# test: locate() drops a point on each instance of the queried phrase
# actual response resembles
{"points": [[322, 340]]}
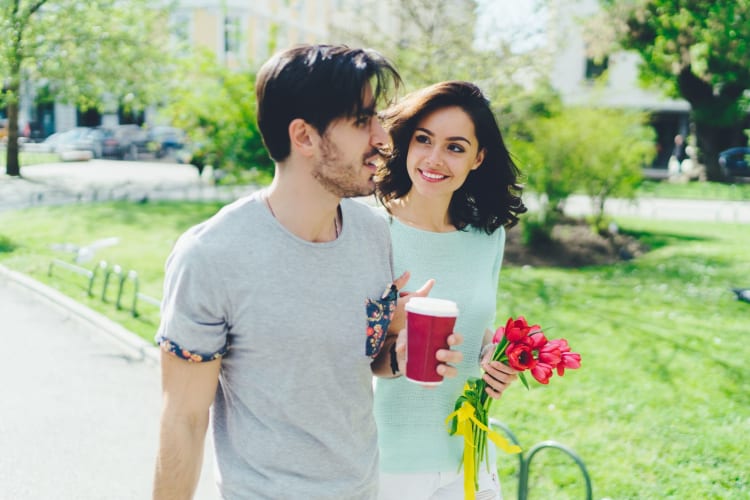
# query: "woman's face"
{"points": [[442, 151]]}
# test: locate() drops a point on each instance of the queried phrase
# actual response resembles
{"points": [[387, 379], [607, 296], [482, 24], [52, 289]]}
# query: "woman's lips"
{"points": [[432, 176]]}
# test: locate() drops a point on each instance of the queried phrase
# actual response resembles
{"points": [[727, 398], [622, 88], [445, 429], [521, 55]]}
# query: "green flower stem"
{"points": [[481, 451], [497, 355]]}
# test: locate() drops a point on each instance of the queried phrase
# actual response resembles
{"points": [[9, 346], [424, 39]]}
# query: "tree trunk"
{"points": [[712, 140], [718, 116], [12, 166]]}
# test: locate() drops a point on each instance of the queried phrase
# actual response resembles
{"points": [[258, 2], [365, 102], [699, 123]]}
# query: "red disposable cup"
{"points": [[429, 322]]}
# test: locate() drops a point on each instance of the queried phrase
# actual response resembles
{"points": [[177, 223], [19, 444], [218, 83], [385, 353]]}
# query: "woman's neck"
{"points": [[429, 214]]}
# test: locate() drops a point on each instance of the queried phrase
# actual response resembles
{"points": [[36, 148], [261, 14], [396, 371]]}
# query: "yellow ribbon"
{"points": [[466, 416]]}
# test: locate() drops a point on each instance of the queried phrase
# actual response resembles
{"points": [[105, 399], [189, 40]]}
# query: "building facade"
{"points": [[242, 34], [609, 80]]}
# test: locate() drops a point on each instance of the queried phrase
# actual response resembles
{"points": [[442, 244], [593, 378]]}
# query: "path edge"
{"points": [[118, 333]]}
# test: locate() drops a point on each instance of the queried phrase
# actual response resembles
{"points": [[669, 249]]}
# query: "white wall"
{"points": [[65, 117], [621, 87]]}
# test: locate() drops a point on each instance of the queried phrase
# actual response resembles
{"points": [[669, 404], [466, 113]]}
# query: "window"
{"points": [[180, 22], [232, 33], [595, 67]]}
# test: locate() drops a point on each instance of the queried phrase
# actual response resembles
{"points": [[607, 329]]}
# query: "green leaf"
{"points": [[522, 376]]}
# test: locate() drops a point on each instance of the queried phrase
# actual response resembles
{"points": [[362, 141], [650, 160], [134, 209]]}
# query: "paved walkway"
{"points": [[79, 402], [102, 180], [667, 209]]}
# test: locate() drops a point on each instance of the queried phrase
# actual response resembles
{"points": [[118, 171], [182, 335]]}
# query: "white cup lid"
{"points": [[432, 307]]}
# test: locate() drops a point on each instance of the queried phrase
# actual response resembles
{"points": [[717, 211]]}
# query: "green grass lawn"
{"points": [[146, 233], [29, 158], [659, 409]]}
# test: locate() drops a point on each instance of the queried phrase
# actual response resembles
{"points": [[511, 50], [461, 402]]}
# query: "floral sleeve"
{"points": [[194, 357], [379, 315]]}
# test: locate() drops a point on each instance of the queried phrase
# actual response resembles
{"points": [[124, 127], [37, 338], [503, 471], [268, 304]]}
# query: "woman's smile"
{"points": [[430, 176]]}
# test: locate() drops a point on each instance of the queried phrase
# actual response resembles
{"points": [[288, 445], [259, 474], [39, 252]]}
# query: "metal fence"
{"points": [[110, 276], [524, 460]]}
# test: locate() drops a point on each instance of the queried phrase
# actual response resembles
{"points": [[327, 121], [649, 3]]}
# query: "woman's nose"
{"points": [[435, 157]]}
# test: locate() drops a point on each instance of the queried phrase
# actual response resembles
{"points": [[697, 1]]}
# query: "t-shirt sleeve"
{"points": [[193, 311]]}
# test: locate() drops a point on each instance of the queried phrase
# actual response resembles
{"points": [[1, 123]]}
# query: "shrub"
{"points": [[597, 151], [6, 245], [216, 107]]}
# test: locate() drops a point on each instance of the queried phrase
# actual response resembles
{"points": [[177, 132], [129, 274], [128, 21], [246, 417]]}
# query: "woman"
{"points": [[449, 189]]}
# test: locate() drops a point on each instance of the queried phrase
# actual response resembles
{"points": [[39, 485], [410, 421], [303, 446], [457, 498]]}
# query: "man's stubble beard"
{"points": [[338, 178]]}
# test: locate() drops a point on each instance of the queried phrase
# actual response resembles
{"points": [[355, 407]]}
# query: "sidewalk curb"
{"points": [[119, 334]]}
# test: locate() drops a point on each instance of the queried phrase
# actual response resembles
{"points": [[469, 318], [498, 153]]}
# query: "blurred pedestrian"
{"points": [[679, 154]]}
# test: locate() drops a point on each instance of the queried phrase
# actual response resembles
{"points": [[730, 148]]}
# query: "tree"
{"points": [[84, 52], [595, 150], [698, 50], [435, 40], [616, 146], [216, 106]]}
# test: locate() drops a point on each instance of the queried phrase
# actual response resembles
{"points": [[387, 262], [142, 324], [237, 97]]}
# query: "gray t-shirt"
{"points": [[293, 413]]}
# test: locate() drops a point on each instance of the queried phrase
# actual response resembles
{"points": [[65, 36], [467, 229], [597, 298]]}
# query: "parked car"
{"points": [[735, 162], [97, 136], [164, 140], [125, 142], [80, 143]]}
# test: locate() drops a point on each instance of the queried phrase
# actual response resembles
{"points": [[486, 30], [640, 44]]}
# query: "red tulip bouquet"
{"points": [[525, 348]]}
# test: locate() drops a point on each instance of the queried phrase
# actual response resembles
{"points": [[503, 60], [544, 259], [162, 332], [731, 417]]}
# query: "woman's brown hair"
{"points": [[490, 196]]}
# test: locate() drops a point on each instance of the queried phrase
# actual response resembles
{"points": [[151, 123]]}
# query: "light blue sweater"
{"points": [[412, 433]]}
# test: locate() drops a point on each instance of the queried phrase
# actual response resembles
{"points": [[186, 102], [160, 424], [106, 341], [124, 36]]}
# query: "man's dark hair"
{"points": [[319, 84], [490, 195]]}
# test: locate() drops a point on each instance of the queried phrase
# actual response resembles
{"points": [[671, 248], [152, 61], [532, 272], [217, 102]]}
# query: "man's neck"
{"points": [[304, 208]]}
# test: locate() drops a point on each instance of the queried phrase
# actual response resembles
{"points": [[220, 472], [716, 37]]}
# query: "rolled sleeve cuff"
{"points": [[170, 347]]}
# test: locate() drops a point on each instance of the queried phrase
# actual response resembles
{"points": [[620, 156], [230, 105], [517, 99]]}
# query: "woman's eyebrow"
{"points": [[454, 138]]}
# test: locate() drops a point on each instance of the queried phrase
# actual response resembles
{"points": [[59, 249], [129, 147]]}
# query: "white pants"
{"points": [[436, 486]]}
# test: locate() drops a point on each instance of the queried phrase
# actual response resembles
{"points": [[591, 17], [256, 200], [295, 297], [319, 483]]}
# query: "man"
{"points": [[264, 313], [679, 154]]}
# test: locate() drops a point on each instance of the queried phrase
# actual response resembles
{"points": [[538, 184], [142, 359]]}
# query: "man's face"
{"points": [[349, 152]]}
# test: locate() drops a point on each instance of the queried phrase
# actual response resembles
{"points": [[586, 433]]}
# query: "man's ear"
{"points": [[302, 137]]}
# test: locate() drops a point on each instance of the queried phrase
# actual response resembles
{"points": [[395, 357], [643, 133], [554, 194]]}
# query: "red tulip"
{"points": [[499, 334], [542, 372], [520, 356], [514, 330], [568, 359], [549, 353], [537, 340]]}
